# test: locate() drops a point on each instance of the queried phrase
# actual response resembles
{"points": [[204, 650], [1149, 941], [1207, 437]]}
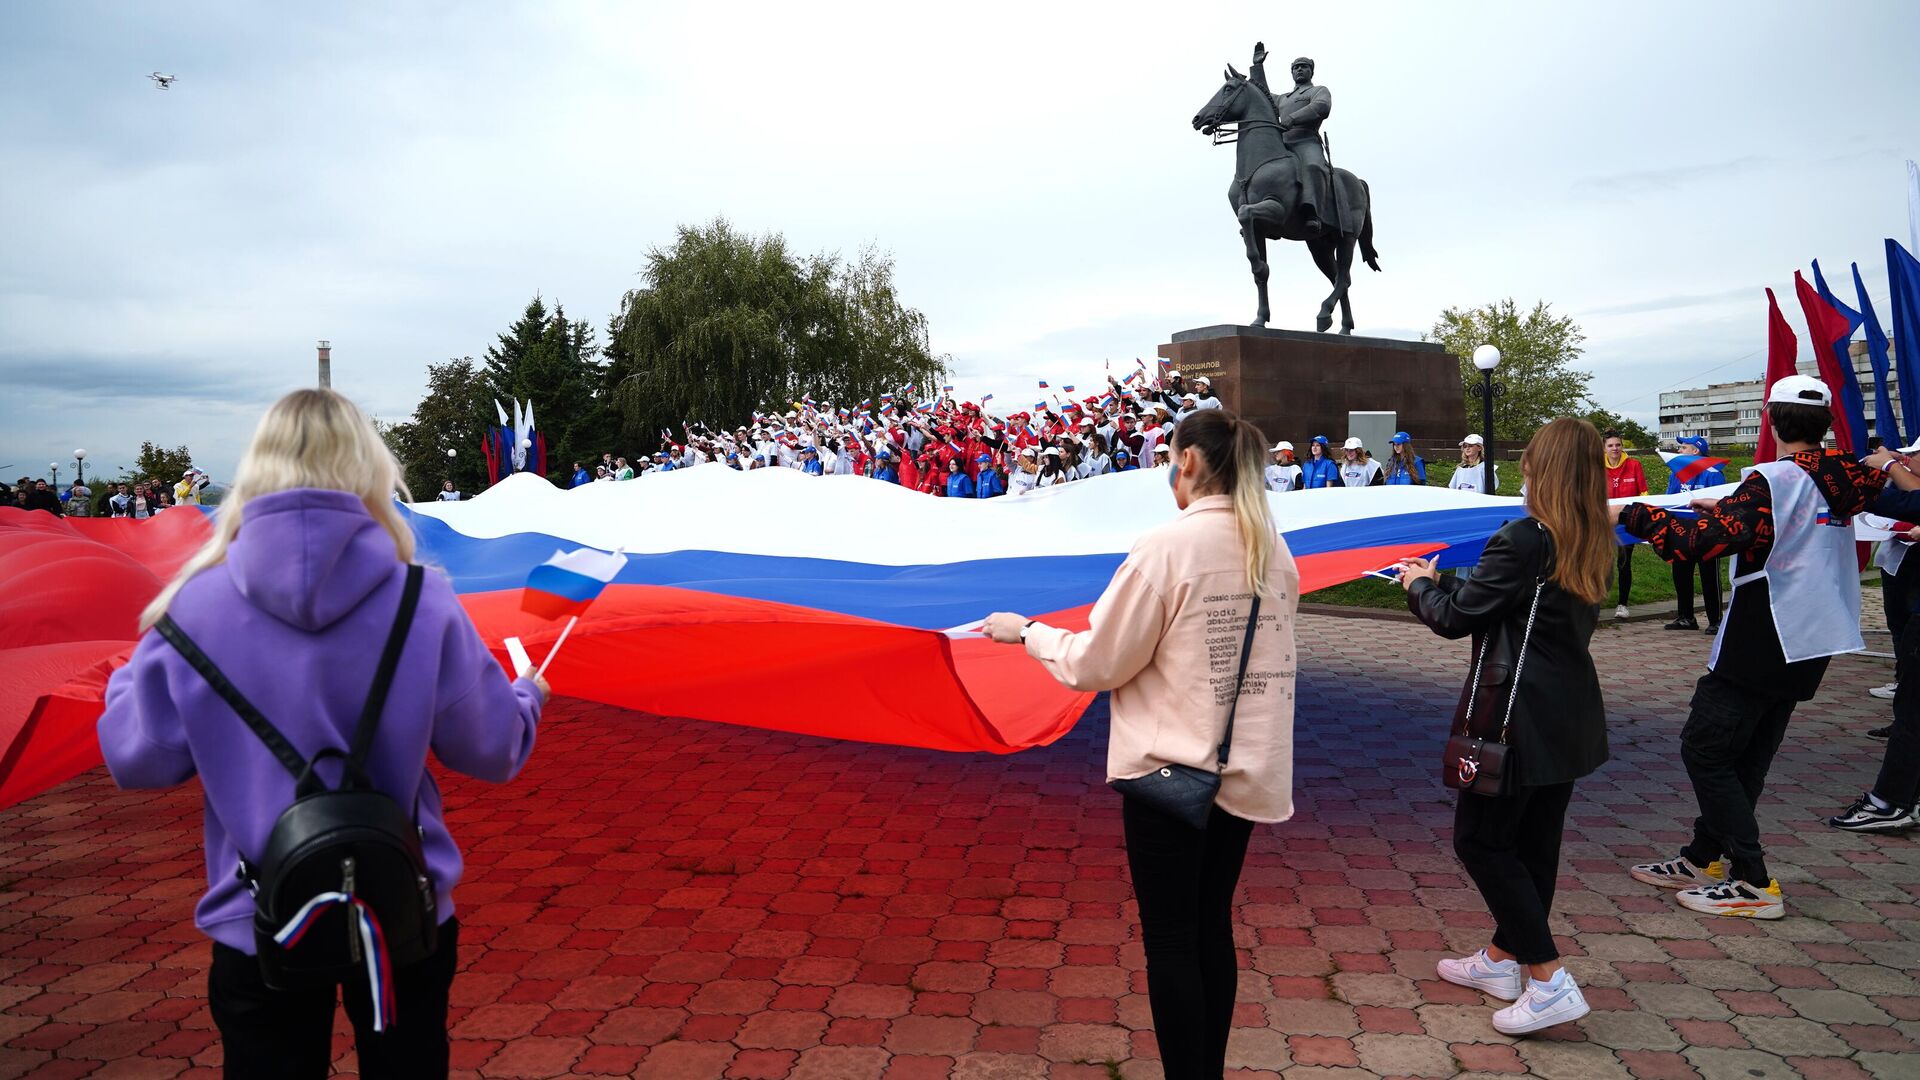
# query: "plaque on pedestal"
{"points": [[1294, 385]]}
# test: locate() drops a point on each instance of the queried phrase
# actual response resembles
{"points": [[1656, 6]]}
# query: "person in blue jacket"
{"points": [[1123, 461], [959, 484], [1709, 568], [581, 477], [1403, 465], [810, 462], [990, 483], [883, 467], [1319, 470]]}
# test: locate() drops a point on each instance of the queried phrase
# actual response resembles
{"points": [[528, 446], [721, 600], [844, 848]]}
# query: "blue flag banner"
{"points": [[1885, 423], [1850, 397], [1903, 281]]}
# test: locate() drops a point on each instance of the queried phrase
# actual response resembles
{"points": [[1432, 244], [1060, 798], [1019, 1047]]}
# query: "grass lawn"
{"points": [[1652, 577]]}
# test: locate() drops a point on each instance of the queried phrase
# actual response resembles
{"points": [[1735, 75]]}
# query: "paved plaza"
{"points": [[666, 898]]}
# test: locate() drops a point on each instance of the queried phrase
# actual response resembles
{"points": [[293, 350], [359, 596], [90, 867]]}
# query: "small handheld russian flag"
{"points": [[1687, 467], [886, 399], [566, 584], [1067, 389], [947, 388], [1043, 384], [984, 398]]}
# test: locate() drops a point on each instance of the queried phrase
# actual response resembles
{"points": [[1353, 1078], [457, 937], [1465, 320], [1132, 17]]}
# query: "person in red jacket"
{"points": [[909, 471], [1625, 480]]}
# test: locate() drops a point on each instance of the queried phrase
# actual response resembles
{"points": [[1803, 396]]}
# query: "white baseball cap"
{"points": [[1204, 379], [1279, 446], [1800, 390], [1473, 440], [1353, 443], [1026, 451]]}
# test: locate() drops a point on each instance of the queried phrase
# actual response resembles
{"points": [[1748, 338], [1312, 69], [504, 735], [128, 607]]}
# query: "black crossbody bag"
{"points": [[1183, 792], [1472, 763]]}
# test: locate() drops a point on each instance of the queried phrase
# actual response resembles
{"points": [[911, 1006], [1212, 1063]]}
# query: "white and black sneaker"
{"points": [[1543, 1005], [1885, 693], [1504, 979], [1680, 873], [1621, 613], [1737, 899], [1869, 815]]}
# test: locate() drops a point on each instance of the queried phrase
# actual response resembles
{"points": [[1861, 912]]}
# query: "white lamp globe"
{"points": [[1486, 357], [450, 452], [80, 455]]}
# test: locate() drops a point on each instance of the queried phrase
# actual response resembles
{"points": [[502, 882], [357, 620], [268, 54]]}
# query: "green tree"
{"points": [[1537, 379], [1636, 436], [453, 415], [155, 463], [727, 324], [552, 362]]}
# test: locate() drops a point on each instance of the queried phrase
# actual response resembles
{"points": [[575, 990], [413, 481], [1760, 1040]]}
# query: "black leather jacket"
{"points": [[1559, 727]]}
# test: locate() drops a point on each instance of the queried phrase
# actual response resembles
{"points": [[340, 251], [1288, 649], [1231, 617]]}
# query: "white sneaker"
{"points": [[1504, 979], [1680, 873], [1543, 1005], [1737, 899], [1620, 612], [1885, 693]]}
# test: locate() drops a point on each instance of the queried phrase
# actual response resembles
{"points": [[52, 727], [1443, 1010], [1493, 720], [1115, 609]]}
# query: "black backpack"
{"points": [[342, 886]]}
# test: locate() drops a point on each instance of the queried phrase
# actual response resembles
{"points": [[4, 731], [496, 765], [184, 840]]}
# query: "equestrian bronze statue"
{"points": [[1284, 186]]}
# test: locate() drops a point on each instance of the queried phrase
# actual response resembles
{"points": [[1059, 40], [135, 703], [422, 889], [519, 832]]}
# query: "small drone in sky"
{"points": [[162, 81]]}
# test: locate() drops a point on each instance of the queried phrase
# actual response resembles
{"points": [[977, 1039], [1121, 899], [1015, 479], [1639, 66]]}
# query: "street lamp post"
{"points": [[54, 468], [80, 466], [1486, 358]]}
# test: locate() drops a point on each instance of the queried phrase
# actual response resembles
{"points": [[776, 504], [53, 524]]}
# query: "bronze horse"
{"points": [[1266, 198]]}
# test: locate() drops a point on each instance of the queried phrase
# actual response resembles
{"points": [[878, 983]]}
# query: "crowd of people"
{"points": [[959, 449], [123, 499]]}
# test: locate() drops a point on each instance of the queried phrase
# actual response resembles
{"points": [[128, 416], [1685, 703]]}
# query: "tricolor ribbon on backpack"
{"points": [[373, 946]]}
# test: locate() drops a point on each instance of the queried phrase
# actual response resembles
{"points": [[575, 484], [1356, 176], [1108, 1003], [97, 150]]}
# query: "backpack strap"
{"points": [[389, 663], [217, 679]]}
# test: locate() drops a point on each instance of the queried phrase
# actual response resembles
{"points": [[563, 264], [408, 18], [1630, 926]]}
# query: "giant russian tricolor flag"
{"points": [[816, 605]]}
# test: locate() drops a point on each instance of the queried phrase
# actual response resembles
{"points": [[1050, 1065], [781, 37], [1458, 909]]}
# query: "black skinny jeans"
{"points": [[1184, 880], [1899, 781], [288, 1034], [1709, 587], [1623, 570], [1510, 846], [1728, 745]]}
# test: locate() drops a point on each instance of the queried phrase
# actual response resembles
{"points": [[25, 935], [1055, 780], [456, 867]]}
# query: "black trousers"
{"points": [[1728, 743], [1899, 781], [1623, 570], [1185, 879], [1709, 587], [1510, 846], [1894, 597], [288, 1034]]}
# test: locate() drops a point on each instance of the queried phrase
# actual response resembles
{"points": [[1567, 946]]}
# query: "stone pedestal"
{"points": [[1294, 385]]}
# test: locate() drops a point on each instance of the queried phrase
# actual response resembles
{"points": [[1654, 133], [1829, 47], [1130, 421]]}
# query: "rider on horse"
{"points": [[1300, 112]]}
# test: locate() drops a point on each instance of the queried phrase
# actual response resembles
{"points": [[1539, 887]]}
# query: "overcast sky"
{"points": [[402, 183]]}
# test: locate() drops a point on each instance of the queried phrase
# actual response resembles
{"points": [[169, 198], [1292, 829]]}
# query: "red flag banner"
{"points": [[1783, 352], [1824, 327]]}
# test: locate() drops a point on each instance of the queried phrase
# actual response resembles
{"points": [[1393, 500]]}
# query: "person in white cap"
{"points": [[1025, 474], [1468, 475], [1357, 467], [1283, 474], [1795, 604], [1204, 397], [192, 483]]}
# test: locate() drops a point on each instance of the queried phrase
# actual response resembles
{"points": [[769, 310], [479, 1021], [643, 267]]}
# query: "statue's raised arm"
{"points": [[1258, 74]]}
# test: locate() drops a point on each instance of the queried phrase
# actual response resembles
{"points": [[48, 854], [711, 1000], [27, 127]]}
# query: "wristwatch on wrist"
{"points": [[1027, 627]]}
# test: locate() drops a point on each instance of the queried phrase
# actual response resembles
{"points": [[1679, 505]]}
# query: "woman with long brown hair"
{"points": [[1533, 694], [1189, 710]]}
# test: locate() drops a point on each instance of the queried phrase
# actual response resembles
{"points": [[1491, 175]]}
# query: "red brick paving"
{"points": [[666, 898]]}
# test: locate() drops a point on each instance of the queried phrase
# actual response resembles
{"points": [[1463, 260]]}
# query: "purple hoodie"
{"points": [[296, 616]]}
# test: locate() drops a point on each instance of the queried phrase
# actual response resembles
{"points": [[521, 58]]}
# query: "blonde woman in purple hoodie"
{"points": [[292, 600]]}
